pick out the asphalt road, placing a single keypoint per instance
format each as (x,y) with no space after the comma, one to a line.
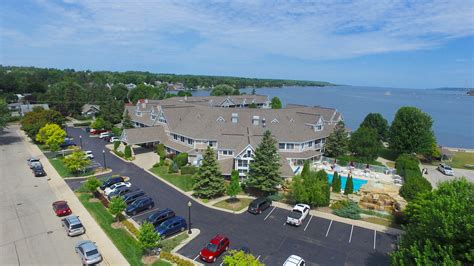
(30,232)
(319,241)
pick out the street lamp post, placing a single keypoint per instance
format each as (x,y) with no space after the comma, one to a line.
(80,139)
(105,163)
(189,217)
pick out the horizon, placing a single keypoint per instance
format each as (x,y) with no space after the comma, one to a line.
(388,45)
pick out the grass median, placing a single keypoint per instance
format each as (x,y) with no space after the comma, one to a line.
(184,182)
(126,243)
(236,204)
(63,171)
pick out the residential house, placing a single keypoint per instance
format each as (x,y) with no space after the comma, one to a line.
(90,110)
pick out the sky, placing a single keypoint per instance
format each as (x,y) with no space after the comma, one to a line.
(409,44)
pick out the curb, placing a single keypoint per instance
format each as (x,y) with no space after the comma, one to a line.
(194,234)
(87,176)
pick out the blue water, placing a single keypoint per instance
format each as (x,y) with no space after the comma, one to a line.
(355,181)
(452,111)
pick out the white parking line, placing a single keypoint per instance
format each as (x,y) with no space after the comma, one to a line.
(310,217)
(375,237)
(329,228)
(196,257)
(258,257)
(269,213)
(221,264)
(350,237)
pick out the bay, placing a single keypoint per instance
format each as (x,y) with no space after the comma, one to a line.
(452,111)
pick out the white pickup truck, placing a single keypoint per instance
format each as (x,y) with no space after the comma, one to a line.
(298,214)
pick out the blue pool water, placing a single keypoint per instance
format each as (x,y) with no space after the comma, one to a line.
(357,182)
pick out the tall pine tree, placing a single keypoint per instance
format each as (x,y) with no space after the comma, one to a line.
(349,189)
(209,180)
(337,144)
(336,183)
(264,171)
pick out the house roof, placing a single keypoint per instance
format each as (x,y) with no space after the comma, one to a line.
(87,107)
(226,166)
(25,108)
(142,135)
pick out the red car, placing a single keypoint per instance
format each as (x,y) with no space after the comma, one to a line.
(214,248)
(97,131)
(61,208)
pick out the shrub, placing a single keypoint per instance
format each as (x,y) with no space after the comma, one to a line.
(340,204)
(129,225)
(175,259)
(181,159)
(173,168)
(170,156)
(351,211)
(128,152)
(116,131)
(116,145)
(188,170)
(414,182)
(160,150)
(119,153)
(405,162)
(276,197)
(92,184)
(82,124)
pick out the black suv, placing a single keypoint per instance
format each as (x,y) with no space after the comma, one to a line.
(141,204)
(158,217)
(111,181)
(257,206)
(38,171)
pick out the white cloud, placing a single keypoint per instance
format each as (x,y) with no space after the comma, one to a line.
(244,29)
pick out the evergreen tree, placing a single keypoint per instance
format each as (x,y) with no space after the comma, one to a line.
(4,113)
(306,168)
(338,142)
(349,189)
(264,173)
(336,183)
(128,152)
(127,122)
(209,180)
(234,187)
(312,189)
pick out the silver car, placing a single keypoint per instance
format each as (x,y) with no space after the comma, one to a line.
(88,252)
(73,225)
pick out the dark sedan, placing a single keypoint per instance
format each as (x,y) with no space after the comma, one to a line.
(110,181)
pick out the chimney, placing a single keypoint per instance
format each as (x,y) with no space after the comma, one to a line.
(255,120)
(235,118)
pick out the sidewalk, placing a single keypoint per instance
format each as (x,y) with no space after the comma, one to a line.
(317,213)
(110,253)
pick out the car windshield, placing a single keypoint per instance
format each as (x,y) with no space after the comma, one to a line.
(295,214)
(447,168)
(76,226)
(62,206)
(211,247)
(136,203)
(92,252)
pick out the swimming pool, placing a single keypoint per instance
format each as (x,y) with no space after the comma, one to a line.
(357,182)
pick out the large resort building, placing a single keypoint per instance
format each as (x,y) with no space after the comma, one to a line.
(225,123)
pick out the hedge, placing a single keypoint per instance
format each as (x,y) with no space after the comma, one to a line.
(414,182)
(348,210)
(175,259)
(82,124)
(130,227)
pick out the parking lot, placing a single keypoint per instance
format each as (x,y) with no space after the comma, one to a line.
(319,241)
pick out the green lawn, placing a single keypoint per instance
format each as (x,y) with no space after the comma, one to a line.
(461,159)
(62,169)
(122,239)
(184,182)
(237,205)
(171,243)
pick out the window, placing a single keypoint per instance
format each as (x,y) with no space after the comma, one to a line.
(182,139)
(310,144)
(190,141)
(212,143)
(318,127)
(242,163)
(175,136)
(290,146)
(281,146)
(230,152)
(249,153)
(224,152)
(153,117)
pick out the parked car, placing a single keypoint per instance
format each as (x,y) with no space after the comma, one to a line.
(38,171)
(67,143)
(171,226)
(214,248)
(445,169)
(257,206)
(121,191)
(97,131)
(139,205)
(104,134)
(31,161)
(73,225)
(114,139)
(131,196)
(294,260)
(88,252)
(89,155)
(298,214)
(110,181)
(61,208)
(160,216)
(115,186)
(87,129)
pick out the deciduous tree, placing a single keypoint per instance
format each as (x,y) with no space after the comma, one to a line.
(51,135)
(337,143)
(411,131)
(365,143)
(92,184)
(148,237)
(378,122)
(77,161)
(116,206)
(440,227)
(240,258)
(312,189)
(224,89)
(4,113)
(33,121)
(276,103)
(209,180)
(264,173)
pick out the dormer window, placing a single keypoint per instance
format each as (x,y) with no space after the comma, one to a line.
(138,113)
(318,127)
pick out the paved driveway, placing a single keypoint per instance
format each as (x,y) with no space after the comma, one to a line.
(319,241)
(435,176)
(30,233)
